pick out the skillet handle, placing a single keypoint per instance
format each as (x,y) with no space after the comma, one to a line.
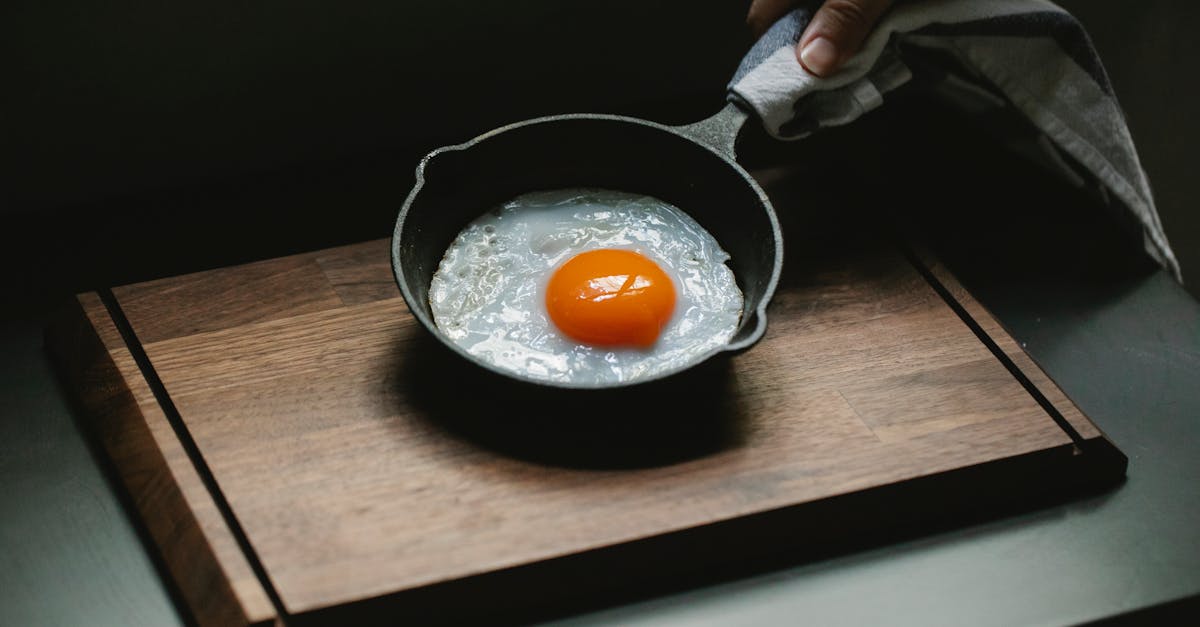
(793,103)
(759,92)
(770,80)
(720,131)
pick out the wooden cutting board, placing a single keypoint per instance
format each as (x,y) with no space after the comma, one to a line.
(299,451)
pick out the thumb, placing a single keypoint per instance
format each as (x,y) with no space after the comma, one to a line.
(836,32)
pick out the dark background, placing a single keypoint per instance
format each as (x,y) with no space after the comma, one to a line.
(141,139)
(108,104)
(123,96)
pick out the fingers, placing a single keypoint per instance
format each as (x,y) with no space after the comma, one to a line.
(836,32)
(763,14)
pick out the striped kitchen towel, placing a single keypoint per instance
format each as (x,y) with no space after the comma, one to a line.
(1027,55)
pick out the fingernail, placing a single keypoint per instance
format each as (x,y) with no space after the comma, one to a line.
(819,56)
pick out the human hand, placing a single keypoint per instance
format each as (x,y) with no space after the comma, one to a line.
(835,34)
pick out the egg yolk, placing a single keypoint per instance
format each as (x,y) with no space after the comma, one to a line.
(610,297)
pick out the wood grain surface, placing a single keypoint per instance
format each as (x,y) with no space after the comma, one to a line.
(368,469)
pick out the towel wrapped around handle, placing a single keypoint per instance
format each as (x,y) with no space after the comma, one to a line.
(1031,55)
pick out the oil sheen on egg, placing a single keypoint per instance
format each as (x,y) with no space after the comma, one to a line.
(489,292)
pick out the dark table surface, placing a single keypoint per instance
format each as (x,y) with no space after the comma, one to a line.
(1120,337)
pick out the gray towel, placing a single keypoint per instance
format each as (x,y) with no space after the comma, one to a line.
(1029,55)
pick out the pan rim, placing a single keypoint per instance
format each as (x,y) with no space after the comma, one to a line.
(759,313)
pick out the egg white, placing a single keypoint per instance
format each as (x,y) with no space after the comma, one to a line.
(488,294)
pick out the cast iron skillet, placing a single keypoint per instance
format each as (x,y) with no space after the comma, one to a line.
(691,167)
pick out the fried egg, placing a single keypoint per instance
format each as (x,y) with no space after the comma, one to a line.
(587,286)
